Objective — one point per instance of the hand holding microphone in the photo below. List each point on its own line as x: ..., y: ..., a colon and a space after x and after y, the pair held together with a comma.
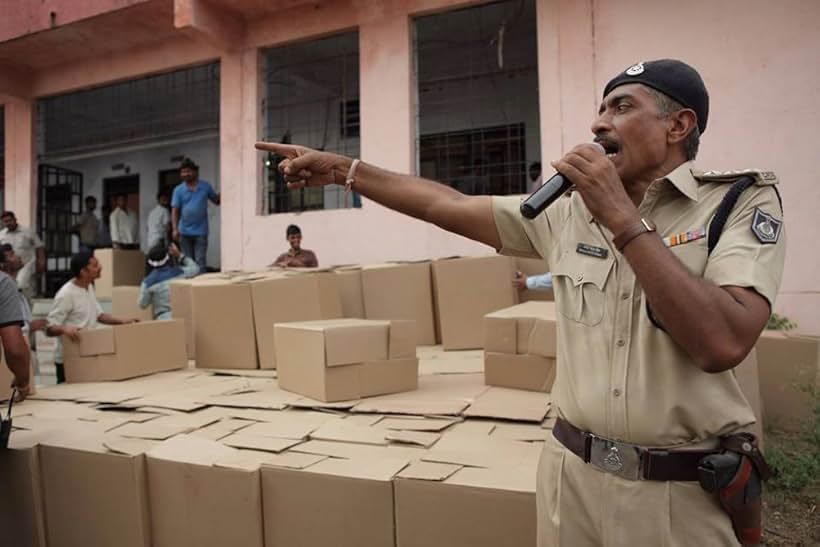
x: 548, y: 192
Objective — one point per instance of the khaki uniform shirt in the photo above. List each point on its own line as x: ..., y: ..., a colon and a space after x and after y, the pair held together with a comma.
x: 618, y: 375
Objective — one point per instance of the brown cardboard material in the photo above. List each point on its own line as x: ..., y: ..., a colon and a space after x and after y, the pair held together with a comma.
x: 350, y: 292
x: 343, y: 503
x: 21, y: 510
x: 401, y: 291
x: 93, y: 497
x: 223, y: 325
x: 442, y: 514
x: 285, y: 298
x: 530, y: 267
x: 511, y: 404
x: 124, y: 304
x: 467, y: 289
x: 346, y: 359
x: 119, y: 268
x: 182, y: 308
x: 7, y: 378
x: 194, y: 503
x: 530, y: 372
x: 125, y: 351
x: 789, y: 368
x: 520, y: 345
x: 528, y: 328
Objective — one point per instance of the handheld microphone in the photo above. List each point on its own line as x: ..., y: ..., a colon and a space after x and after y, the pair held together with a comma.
x: 548, y: 192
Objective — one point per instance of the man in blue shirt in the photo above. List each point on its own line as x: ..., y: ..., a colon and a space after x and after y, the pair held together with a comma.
x: 189, y: 212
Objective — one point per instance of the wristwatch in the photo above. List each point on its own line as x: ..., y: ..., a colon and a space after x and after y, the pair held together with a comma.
x: 621, y: 240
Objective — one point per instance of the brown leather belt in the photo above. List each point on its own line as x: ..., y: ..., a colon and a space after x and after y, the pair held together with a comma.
x: 629, y: 461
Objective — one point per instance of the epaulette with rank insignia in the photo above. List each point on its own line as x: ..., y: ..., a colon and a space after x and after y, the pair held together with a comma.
x: 761, y: 178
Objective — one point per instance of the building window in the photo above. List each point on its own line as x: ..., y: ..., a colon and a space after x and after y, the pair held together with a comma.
x: 312, y: 99
x: 478, y: 119
x: 179, y: 104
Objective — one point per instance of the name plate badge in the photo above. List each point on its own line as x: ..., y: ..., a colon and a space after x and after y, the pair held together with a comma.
x: 592, y: 250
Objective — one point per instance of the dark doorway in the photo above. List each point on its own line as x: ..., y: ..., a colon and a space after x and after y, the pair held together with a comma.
x: 60, y: 193
x: 168, y: 180
x: 126, y: 184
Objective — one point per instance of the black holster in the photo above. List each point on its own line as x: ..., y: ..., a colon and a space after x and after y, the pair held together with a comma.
x: 734, y: 476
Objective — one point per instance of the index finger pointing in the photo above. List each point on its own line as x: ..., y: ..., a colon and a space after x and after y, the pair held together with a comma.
x: 287, y: 150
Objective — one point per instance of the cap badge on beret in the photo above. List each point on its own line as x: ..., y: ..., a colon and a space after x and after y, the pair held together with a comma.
x: 634, y: 70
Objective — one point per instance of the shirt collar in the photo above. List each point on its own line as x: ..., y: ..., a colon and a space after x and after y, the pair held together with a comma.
x: 682, y: 179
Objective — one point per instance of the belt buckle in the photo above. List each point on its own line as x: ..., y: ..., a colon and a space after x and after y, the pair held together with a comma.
x: 620, y: 459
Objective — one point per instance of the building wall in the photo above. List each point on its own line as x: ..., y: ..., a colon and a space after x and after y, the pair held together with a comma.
x: 757, y: 57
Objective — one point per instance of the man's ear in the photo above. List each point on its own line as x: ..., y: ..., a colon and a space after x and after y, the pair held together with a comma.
x: 683, y: 123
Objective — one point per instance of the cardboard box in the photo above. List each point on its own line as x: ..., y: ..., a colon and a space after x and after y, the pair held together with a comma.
x: 344, y: 503
x: 470, y: 490
x: 124, y: 304
x: 468, y: 510
x: 223, y: 324
x: 528, y: 328
x: 125, y: 351
x: 21, y: 510
x: 7, y: 378
x: 346, y: 359
x: 530, y: 372
x: 118, y: 268
x: 467, y: 289
x: 789, y: 368
x: 182, y: 308
x: 195, y: 502
x: 350, y: 292
x: 401, y: 291
x: 520, y: 346
x: 286, y: 298
x: 530, y: 267
x: 93, y: 497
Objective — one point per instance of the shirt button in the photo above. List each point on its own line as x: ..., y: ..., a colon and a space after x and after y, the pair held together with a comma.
x: 616, y: 392
x: 579, y: 277
x: 620, y: 343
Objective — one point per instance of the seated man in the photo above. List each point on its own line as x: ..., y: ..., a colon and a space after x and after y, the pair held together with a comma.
x: 164, y: 265
x: 75, y: 307
x: 296, y: 256
x: 542, y: 282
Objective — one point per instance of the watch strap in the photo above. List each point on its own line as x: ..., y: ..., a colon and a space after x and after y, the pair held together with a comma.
x: 621, y: 240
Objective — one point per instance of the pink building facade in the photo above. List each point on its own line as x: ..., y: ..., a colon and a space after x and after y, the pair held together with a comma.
x: 758, y: 58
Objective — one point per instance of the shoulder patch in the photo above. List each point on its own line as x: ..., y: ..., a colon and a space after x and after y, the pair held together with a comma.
x: 762, y: 178
x: 765, y: 227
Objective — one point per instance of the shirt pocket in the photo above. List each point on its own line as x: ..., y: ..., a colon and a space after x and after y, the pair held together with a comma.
x: 579, y: 283
x: 693, y: 255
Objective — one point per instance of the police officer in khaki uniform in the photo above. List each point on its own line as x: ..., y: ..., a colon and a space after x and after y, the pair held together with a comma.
x: 651, y: 321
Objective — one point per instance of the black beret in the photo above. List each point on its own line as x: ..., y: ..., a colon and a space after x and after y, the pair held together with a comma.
x: 673, y: 78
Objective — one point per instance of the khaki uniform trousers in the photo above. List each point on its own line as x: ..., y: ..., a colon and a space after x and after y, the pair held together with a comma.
x: 579, y: 506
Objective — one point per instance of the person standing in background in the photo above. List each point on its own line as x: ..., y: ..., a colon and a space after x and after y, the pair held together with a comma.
x: 189, y: 212
x: 124, y: 225
x: 159, y: 222
x: 296, y: 256
x: 88, y: 227
x: 28, y: 246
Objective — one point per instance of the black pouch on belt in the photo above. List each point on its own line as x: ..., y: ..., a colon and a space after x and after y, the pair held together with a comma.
x: 735, y: 477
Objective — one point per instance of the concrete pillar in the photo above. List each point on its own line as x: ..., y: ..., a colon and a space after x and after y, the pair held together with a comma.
x: 240, y: 176
x: 21, y: 159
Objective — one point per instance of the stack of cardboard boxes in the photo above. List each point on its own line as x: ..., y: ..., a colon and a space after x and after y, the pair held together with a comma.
x: 520, y: 346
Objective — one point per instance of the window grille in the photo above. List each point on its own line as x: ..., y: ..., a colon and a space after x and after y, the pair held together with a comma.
x: 175, y: 104
x: 477, y: 76
x: 312, y: 98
